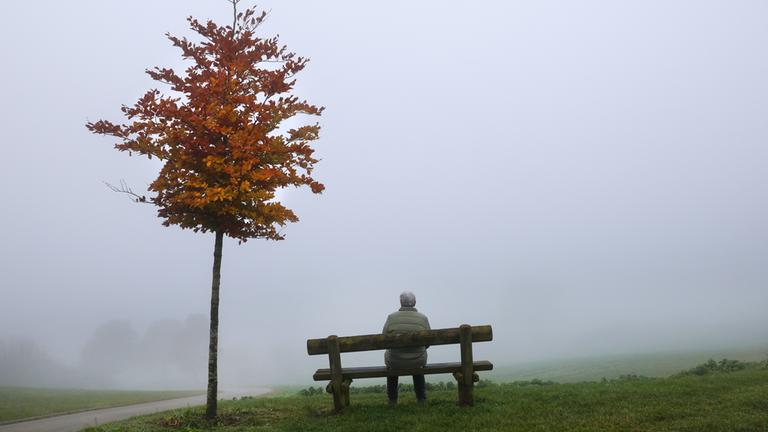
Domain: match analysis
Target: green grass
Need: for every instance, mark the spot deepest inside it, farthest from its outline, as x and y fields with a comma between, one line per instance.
x=736, y=401
x=581, y=369
x=18, y=403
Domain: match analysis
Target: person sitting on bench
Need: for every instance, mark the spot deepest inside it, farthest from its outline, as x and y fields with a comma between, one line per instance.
x=406, y=319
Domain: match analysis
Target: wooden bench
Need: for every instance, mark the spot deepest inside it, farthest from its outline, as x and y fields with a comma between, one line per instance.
x=340, y=378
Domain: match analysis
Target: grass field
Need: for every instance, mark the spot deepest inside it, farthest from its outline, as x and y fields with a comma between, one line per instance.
x=735, y=401
x=17, y=403
x=581, y=369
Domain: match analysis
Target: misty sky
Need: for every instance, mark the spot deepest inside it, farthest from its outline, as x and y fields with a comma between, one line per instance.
x=585, y=176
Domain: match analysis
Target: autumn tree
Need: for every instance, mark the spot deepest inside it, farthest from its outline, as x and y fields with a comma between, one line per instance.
x=220, y=138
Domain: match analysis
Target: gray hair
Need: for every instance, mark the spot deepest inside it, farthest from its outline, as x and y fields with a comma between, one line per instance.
x=407, y=299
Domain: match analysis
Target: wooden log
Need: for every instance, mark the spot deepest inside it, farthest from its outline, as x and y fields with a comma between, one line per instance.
x=345, y=390
x=383, y=371
x=373, y=342
x=334, y=360
x=466, y=378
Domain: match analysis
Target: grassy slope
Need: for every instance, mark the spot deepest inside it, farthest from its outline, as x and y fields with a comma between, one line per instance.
x=595, y=368
x=18, y=403
x=720, y=402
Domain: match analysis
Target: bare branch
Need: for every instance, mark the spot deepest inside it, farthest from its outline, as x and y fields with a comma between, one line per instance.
x=124, y=188
x=234, y=16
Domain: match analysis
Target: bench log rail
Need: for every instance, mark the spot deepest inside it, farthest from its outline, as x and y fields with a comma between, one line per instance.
x=340, y=378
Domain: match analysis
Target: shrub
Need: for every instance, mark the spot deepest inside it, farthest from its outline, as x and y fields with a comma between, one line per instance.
x=311, y=391
x=485, y=383
x=632, y=377
x=713, y=366
x=533, y=382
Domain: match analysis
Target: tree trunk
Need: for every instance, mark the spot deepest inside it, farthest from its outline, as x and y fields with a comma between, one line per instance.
x=213, y=382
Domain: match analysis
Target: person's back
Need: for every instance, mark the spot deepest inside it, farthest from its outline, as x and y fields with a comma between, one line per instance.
x=406, y=319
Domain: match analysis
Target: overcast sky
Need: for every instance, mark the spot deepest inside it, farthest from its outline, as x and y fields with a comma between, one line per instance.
x=587, y=177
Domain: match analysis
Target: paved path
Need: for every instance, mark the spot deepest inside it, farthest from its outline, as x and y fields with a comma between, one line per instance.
x=81, y=420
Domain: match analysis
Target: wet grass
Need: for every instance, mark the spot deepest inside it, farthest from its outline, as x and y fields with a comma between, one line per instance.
x=582, y=369
x=18, y=403
x=734, y=401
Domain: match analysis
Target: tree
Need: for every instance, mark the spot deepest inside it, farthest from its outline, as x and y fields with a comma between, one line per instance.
x=220, y=139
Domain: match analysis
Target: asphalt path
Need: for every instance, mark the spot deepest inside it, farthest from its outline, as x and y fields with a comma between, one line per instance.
x=81, y=420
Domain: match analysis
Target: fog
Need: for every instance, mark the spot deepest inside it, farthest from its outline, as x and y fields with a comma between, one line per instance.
x=587, y=177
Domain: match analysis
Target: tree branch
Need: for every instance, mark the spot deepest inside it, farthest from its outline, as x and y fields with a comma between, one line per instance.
x=124, y=188
x=234, y=16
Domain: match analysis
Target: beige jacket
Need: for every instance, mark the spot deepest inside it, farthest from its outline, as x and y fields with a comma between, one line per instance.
x=407, y=319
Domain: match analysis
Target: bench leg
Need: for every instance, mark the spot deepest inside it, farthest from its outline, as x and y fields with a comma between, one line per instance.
x=466, y=389
x=345, y=391
x=465, y=377
x=337, y=391
x=334, y=358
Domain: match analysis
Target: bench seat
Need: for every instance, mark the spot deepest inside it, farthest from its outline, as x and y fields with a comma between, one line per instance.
x=383, y=371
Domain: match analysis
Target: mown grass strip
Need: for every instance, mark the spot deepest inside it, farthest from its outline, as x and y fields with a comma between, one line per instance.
x=17, y=403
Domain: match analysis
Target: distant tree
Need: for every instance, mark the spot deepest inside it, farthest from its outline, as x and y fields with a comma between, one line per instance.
x=23, y=363
x=220, y=138
x=108, y=352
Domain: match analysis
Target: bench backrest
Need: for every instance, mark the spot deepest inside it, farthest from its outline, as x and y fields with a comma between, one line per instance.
x=374, y=342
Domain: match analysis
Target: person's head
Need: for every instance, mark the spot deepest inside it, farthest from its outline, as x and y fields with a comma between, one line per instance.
x=407, y=299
